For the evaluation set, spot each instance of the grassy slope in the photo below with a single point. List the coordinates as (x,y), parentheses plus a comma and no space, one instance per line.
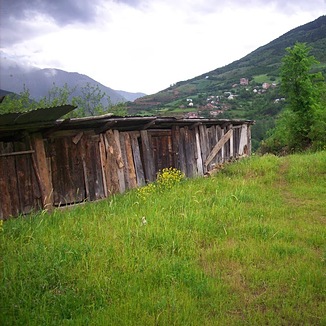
(246,247)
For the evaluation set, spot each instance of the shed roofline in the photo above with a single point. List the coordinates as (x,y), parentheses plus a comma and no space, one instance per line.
(48,120)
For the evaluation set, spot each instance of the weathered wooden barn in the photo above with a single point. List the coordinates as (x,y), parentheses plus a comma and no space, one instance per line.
(46,162)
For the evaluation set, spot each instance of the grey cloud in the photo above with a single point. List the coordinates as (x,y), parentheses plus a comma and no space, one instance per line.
(289,7)
(133,3)
(15,16)
(62,11)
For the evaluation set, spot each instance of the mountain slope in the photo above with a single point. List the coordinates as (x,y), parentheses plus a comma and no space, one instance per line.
(14,77)
(131,96)
(40,81)
(266,60)
(248,88)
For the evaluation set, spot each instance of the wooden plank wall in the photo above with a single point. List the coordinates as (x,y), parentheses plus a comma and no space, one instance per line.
(20,192)
(69,167)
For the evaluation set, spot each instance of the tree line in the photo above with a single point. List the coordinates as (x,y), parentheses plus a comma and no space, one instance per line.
(91,101)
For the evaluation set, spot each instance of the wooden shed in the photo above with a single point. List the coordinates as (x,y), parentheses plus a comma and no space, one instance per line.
(47,162)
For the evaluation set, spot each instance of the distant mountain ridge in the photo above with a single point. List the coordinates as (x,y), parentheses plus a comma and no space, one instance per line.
(13,78)
(130,96)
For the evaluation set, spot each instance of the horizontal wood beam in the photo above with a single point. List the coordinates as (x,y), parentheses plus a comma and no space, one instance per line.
(17,153)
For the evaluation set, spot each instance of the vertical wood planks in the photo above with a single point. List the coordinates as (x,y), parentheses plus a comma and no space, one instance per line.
(148,156)
(219,156)
(121,178)
(182,151)
(224,140)
(231,142)
(175,137)
(200,170)
(189,142)
(204,145)
(8,182)
(103,161)
(124,160)
(68,171)
(43,170)
(112,163)
(92,166)
(129,167)
(29,191)
(139,169)
(73,165)
(243,140)
(248,140)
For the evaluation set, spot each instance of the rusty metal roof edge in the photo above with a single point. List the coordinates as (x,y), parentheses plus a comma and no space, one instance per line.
(40,109)
(99,122)
(36,116)
(109,116)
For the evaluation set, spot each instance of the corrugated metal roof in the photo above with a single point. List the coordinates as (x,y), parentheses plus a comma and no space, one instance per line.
(35,116)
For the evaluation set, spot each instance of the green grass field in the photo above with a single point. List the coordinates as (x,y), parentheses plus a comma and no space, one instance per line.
(244,247)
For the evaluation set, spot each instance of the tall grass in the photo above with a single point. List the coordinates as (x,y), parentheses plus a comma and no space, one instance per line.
(245,247)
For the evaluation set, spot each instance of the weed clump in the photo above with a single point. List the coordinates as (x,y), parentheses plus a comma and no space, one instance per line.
(169,177)
(165,180)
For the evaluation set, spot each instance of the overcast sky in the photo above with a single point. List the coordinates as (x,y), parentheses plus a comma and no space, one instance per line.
(144,45)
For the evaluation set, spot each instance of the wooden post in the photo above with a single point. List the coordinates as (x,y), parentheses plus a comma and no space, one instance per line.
(103,163)
(190,152)
(222,149)
(200,169)
(218,135)
(203,144)
(130,162)
(139,169)
(121,177)
(231,142)
(175,146)
(249,140)
(42,170)
(113,165)
(182,155)
(243,140)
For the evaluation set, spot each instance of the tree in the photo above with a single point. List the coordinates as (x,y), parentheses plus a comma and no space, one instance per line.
(18,102)
(302,94)
(90,102)
(301,124)
(57,96)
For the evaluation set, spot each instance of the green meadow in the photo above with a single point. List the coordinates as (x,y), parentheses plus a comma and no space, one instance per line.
(243,247)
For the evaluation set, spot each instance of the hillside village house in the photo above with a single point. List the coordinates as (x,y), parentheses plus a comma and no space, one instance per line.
(47,162)
(244,81)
